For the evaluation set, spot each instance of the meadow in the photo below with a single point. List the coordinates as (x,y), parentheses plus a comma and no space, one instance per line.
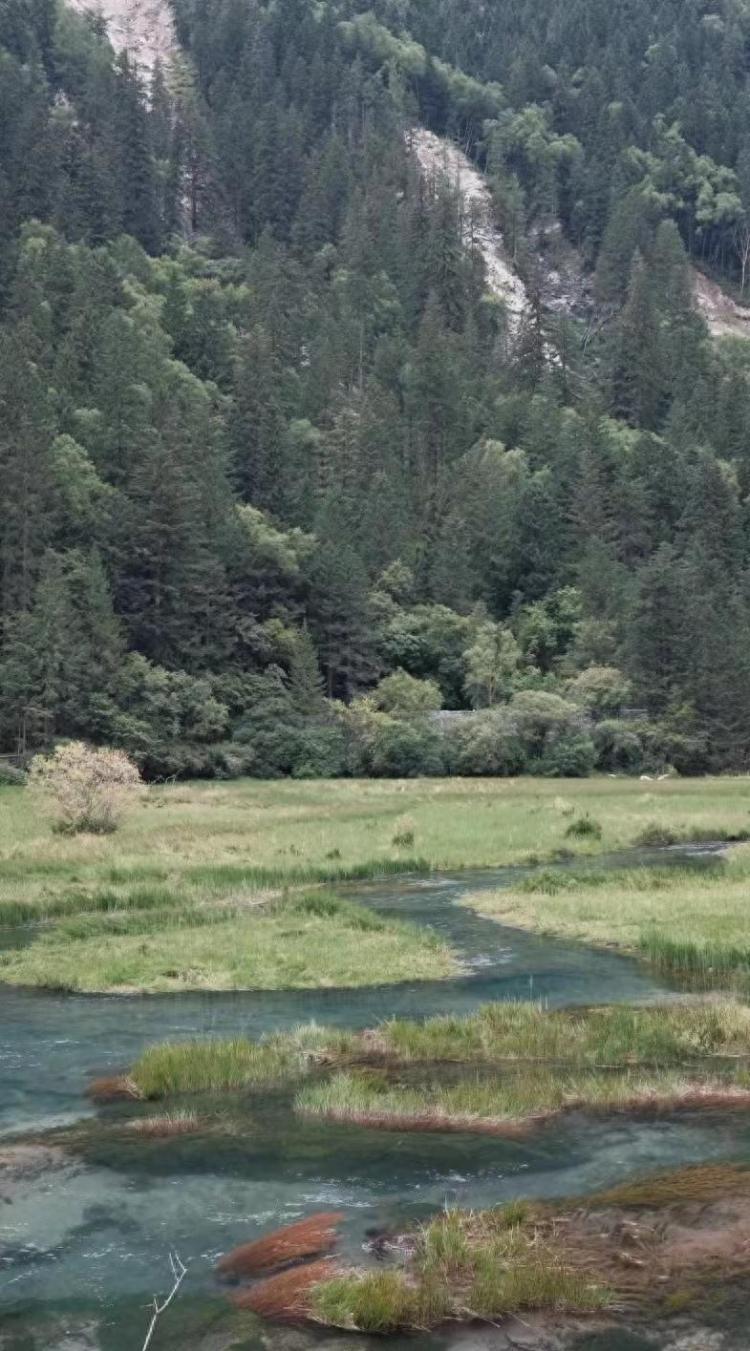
(188,893)
(689,923)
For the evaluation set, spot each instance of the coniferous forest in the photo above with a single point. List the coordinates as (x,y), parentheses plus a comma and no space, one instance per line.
(280,477)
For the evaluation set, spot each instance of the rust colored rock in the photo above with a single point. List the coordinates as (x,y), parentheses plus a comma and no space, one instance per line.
(293,1243)
(286,1297)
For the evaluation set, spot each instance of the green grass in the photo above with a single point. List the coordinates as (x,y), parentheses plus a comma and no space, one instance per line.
(574,1040)
(615,1035)
(701,1182)
(285,945)
(464,1265)
(190,849)
(221,1065)
(478,1102)
(690,922)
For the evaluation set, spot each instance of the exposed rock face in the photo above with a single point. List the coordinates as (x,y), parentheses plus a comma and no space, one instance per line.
(725,318)
(142,28)
(438,157)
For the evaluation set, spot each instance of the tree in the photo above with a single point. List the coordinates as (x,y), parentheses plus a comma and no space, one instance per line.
(492,662)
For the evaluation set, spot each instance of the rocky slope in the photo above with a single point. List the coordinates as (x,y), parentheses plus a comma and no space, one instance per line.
(143,28)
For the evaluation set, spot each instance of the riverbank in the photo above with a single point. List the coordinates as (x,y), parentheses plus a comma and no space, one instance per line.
(664,1248)
(178,898)
(690,924)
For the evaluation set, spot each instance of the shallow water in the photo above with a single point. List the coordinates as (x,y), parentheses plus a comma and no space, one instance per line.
(83,1249)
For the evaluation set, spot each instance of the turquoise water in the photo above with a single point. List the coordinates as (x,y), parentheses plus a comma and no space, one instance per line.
(83,1248)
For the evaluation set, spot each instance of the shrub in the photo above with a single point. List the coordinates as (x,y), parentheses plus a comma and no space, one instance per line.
(569,757)
(543,718)
(85,788)
(618,746)
(405,695)
(403,832)
(602,690)
(656,836)
(486,743)
(10,775)
(584,827)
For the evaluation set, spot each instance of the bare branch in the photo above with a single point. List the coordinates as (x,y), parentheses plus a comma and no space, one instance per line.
(179,1272)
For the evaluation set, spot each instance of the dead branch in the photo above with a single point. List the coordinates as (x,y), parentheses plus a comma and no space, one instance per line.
(179,1272)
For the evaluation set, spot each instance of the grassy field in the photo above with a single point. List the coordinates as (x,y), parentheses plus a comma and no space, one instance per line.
(176,898)
(284,945)
(689,923)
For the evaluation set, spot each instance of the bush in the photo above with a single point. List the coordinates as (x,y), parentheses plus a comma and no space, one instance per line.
(602,690)
(486,743)
(584,827)
(406,696)
(543,718)
(619,746)
(10,775)
(85,788)
(404,830)
(569,757)
(402,750)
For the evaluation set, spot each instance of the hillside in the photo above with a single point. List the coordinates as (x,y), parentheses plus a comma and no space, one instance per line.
(353,366)
(143,28)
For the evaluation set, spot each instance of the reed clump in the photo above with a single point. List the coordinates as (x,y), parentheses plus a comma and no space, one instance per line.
(229,1064)
(286,1297)
(508,1033)
(114,1088)
(166,1125)
(311,1237)
(513,1103)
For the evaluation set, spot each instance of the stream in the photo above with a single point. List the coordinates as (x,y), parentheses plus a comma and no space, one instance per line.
(84,1247)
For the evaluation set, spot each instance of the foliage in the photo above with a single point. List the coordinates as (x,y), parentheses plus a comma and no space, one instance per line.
(406,696)
(84,788)
(269,444)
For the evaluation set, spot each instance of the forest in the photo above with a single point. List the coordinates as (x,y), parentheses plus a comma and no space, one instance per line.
(284,491)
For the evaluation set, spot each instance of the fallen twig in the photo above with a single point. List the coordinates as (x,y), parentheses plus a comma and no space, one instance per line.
(179,1272)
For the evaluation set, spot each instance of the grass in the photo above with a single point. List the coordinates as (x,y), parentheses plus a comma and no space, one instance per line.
(688,922)
(555,1258)
(219,1066)
(610,1036)
(699,1182)
(177,889)
(511,1102)
(294,944)
(311,1237)
(616,1036)
(463,1266)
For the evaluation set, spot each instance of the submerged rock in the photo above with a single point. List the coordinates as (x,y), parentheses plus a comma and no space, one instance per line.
(24,1163)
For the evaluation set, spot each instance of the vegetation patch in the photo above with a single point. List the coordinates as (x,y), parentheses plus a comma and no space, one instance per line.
(166,1125)
(690,922)
(512,1103)
(463,1266)
(612,1037)
(311,1237)
(652,1244)
(287,1296)
(225,1065)
(299,942)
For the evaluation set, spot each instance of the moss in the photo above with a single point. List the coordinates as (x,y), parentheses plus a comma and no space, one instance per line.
(700,1182)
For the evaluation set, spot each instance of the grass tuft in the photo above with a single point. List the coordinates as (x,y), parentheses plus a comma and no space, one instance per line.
(311,1237)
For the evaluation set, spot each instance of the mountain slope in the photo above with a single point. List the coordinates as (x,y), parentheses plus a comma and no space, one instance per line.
(282,474)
